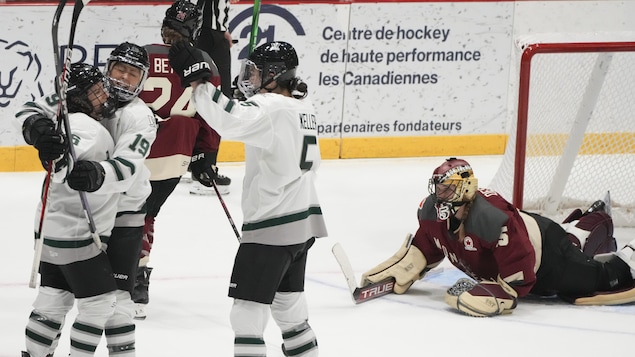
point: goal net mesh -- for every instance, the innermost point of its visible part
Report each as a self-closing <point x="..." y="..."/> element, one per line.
<point x="574" y="139"/>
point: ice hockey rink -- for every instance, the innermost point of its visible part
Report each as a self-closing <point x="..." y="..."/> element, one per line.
<point x="369" y="207"/>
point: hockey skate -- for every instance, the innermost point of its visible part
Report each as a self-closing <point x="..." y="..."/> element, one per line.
<point x="186" y="178"/>
<point x="140" y="293"/>
<point x="603" y="205"/>
<point x="222" y="183"/>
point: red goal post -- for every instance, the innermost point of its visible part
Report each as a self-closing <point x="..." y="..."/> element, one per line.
<point x="574" y="136"/>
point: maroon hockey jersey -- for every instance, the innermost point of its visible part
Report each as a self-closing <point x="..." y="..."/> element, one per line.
<point x="496" y="241"/>
<point x="182" y="132"/>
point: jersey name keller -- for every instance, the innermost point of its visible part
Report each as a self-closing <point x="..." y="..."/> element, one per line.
<point x="307" y="121"/>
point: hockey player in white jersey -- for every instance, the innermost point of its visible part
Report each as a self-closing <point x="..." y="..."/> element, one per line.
<point x="133" y="129"/>
<point x="72" y="266"/>
<point x="282" y="214"/>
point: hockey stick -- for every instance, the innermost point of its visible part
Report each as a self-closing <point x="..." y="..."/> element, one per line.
<point x="39" y="238"/>
<point x="63" y="108"/>
<point x="229" y="217"/>
<point x="61" y="84"/>
<point x="253" y="37"/>
<point x="367" y="292"/>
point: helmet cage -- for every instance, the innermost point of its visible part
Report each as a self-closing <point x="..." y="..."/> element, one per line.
<point x="185" y="18"/>
<point x="88" y="92"/>
<point x="249" y="79"/>
<point x="135" y="56"/>
<point x="453" y="182"/>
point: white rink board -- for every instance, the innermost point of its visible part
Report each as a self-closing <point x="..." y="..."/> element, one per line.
<point x="459" y="98"/>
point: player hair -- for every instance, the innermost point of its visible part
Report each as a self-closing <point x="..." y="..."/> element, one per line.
<point x="171" y="35"/>
<point x="296" y="86"/>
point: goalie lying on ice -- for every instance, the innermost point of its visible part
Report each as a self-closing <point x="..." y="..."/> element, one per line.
<point x="508" y="252"/>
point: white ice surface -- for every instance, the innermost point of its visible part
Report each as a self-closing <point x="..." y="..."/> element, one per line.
<point x="369" y="206"/>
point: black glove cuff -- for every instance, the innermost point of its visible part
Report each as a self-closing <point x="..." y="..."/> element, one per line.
<point x="30" y="130"/>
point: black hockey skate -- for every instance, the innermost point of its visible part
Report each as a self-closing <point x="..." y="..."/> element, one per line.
<point x="141" y="293"/>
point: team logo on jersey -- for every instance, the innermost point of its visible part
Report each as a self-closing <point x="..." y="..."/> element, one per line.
<point x="468" y="244"/>
<point x="20" y="71"/>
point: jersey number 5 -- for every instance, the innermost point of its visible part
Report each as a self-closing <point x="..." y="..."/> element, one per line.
<point x="306" y="164"/>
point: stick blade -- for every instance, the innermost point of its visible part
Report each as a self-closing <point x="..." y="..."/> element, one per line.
<point x="345" y="265"/>
<point x="375" y="290"/>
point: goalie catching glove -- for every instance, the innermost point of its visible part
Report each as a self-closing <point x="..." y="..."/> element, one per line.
<point x="189" y="63"/>
<point x="406" y="266"/>
<point x="482" y="299"/>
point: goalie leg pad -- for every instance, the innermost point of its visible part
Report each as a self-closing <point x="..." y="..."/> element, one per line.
<point x="406" y="271"/>
<point x="484" y="299"/>
<point x="618" y="297"/>
<point x="595" y="231"/>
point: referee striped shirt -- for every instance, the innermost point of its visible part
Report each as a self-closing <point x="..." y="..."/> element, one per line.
<point x="215" y="14"/>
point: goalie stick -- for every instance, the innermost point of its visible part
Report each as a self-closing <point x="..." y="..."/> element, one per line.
<point x="61" y="84"/>
<point x="362" y="294"/>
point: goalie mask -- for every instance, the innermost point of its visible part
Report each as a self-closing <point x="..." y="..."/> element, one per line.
<point x="272" y="62"/>
<point x="185" y="18"/>
<point x="127" y="69"/>
<point x="88" y="92"/>
<point x="452" y="184"/>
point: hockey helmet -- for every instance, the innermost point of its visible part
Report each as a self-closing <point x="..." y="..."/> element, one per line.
<point x="183" y="17"/>
<point x="82" y="96"/>
<point x="453" y="182"/>
<point x="273" y="61"/>
<point x="135" y="56"/>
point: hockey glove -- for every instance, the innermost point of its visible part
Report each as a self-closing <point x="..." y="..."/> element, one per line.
<point x="86" y="176"/>
<point x="204" y="168"/>
<point x="483" y="299"/>
<point x="40" y="132"/>
<point x="189" y="63"/>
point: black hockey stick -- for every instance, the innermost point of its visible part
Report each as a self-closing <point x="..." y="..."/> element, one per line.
<point x="229" y="217"/>
<point x="62" y="73"/>
<point x="61" y="84"/>
<point x="39" y="238"/>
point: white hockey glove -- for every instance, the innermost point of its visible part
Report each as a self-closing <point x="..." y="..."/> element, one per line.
<point x="406" y="266"/>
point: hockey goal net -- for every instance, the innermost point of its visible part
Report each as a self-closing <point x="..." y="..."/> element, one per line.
<point x="574" y="137"/>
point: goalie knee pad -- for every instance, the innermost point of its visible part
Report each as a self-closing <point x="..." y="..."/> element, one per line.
<point x="595" y="232"/>
<point x="406" y="266"/>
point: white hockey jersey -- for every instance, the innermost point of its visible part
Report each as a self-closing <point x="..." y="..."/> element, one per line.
<point x="133" y="129"/>
<point x="67" y="236"/>
<point x="280" y="203"/>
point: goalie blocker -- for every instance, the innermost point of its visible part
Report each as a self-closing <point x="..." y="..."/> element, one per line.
<point x="406" y="266"/>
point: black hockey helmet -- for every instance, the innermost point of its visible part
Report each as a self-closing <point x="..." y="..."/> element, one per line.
<point x="275" y="61"/>
<point x="134" y="55"/>
<point x="81" y="93"/>
<point x="184" y="17"/>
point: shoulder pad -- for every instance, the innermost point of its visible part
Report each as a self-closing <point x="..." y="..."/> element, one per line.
<point x="485" y="220"/>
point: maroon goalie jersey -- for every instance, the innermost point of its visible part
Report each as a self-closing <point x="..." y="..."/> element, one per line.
<point x="182" y="132"/>
<point x="495" y="241"/>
